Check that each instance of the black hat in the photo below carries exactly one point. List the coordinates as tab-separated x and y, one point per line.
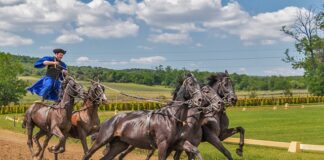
59	50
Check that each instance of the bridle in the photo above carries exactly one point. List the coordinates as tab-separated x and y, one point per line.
97	93
222	90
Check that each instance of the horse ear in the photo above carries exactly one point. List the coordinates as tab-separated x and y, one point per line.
190	74
92	82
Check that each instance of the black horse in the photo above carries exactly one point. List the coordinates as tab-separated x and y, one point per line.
216	129
150	129
215	124
224	87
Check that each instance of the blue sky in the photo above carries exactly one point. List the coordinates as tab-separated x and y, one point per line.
241	36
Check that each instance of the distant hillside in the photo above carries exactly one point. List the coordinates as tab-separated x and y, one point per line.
165	76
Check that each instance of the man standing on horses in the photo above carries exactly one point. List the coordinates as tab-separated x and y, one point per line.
49	86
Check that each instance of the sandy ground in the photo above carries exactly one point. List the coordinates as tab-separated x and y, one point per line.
13	146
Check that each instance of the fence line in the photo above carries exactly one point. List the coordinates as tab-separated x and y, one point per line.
292	146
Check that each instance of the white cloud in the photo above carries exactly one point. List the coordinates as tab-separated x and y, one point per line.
83	59
284	71
144	47
46	47
8	39
100	19
10	2
126	8
171	38
177	15
242	70
198	45
148	60
69	38
211	16
97	19
118	62
266	26
112	30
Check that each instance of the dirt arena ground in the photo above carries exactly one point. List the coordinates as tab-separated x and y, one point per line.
13	147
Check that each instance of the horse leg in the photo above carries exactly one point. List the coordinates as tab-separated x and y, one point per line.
45	143
213	139
30	128
99	142
150	154
83	137
36	138
177	155
162	150
123	154
191	156
228	132
59	148
116	147
189	148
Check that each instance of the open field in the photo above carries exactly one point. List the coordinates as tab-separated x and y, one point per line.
293	124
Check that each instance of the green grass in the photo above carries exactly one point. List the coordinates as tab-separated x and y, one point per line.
256	153
294	124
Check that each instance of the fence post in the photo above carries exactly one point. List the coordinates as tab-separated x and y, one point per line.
14	119
294	147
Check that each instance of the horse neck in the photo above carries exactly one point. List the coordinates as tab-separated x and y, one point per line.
67	102
180	112
180	95
92	108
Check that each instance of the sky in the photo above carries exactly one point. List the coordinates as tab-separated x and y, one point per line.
241	36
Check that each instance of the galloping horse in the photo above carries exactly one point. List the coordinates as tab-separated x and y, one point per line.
224	87
149	129
216	128
86	120
215	124
196	117
52	120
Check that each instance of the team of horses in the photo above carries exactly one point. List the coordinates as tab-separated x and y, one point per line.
195	114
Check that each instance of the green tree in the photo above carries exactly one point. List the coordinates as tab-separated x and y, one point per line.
11	88
308	33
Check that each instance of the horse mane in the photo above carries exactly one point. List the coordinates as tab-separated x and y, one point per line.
214	78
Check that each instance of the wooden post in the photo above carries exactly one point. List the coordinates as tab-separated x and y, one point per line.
286	106
14	119
294	147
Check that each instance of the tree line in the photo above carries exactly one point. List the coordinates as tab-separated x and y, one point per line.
166	76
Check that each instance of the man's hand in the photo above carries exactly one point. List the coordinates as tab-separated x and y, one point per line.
51	63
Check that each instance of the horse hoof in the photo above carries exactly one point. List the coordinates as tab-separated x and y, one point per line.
61	150
239	152
51	149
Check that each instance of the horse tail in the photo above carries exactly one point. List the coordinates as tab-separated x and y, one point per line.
27	117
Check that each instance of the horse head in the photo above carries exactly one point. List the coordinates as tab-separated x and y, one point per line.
188	89
212	99
96	92
223	85
72	88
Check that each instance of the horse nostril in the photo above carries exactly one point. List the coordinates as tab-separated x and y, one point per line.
199	100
